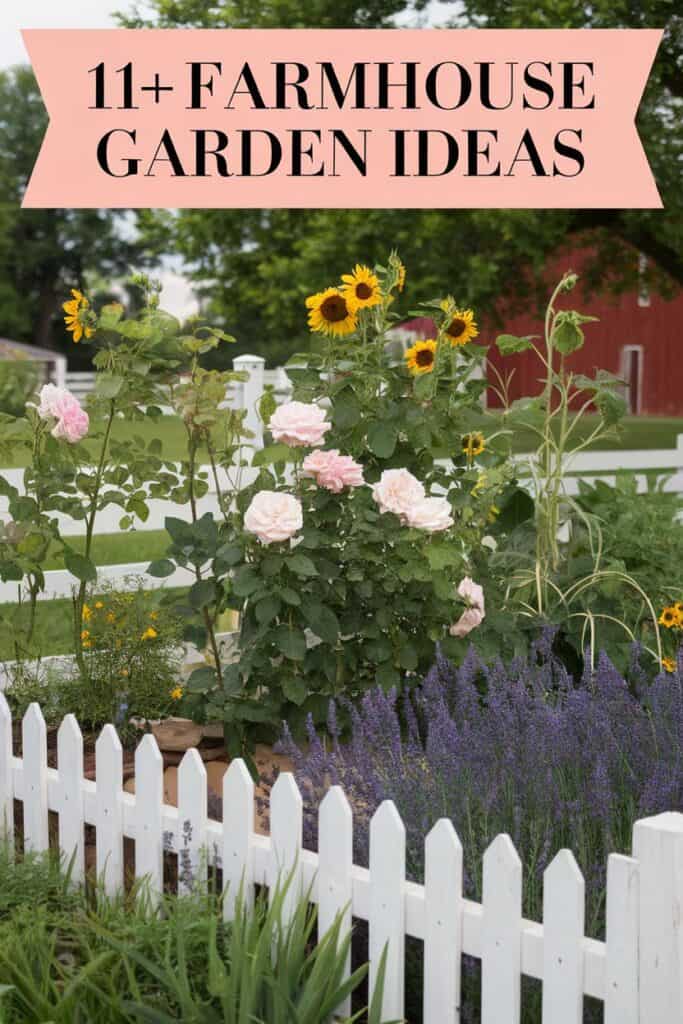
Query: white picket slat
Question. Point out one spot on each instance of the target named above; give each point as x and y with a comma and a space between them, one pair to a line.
443, 925
238, 828
109, 823
387, 906
34, 743
192, 815
502, 933
149, 829
71, 820
6, 773
563, 929
621, 981
658, 847
335, 863
286, 825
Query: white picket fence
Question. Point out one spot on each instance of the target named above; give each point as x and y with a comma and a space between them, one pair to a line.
637, 972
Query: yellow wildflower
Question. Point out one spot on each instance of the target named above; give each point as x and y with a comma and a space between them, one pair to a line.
461, 327
473, 444
111, 618
421, 356
176, 693
86, 613
99, 605
401, 278
76, 313
149, 634
330, 312
154, 616
669, 617
361, 287
668, 664
85, 634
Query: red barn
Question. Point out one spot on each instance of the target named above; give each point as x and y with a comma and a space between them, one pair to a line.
638, 337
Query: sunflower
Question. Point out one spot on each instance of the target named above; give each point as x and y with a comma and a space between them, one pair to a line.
362, 287
421, 357
76, 310
473, 444
669, 617
461, 327
678, 605
668, 664
331, 312
149, 634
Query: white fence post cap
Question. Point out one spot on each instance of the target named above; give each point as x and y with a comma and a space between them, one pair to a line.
246, 360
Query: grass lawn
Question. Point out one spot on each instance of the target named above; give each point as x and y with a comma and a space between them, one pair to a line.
116, 548
636, 432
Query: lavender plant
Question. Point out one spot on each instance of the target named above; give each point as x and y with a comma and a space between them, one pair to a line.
521, 748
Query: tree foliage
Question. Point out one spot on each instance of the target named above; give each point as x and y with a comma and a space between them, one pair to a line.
254, 268
43, 253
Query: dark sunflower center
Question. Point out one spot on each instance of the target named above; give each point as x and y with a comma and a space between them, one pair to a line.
363, 290
425, 357
334, 309
456, 327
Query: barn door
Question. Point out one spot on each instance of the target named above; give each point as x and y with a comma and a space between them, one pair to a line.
633, 376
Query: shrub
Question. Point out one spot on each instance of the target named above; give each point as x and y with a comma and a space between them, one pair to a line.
131, 645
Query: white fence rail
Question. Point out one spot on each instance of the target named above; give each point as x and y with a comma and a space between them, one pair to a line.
637, 972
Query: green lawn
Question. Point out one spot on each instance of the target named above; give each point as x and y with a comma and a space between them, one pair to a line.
635, 432
116, 548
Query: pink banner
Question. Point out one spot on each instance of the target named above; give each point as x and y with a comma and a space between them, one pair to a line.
342, 118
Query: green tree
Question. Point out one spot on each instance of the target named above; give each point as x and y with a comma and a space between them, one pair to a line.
253, 268
43, 253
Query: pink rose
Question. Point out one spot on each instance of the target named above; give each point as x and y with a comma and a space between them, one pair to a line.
333, 471
59, 404
273, 516
469, 620
299, 424
430, 514
474, 614
398, 491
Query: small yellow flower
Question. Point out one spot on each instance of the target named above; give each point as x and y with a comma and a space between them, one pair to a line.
149, 634
669, 617
668, 664
86, 613
99, 605
420, 358
330, 312
361, 287
482, 481
76, 310
85, 634
461, 327
154, 616
493, 513
86, 644
401, 278
473, 444
111, 618
177, 693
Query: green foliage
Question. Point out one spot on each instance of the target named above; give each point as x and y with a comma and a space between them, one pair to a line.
18, 380
130, 643
68, 956
43, 253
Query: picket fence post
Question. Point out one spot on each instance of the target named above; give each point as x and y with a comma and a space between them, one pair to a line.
70, 762
387, 906
252, 390
6, 774
34, 758
658, 847
238, 828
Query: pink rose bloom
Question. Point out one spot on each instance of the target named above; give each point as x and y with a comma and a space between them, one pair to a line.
273, 516
474, 615
398, 491
430, 514
59, 404
333, 471
469, 620
299, 424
